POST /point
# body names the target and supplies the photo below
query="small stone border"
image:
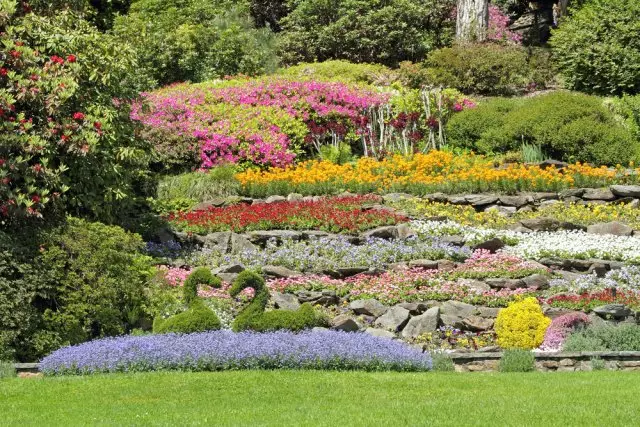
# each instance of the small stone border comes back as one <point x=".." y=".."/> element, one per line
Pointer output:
<point x="488" y="362"/>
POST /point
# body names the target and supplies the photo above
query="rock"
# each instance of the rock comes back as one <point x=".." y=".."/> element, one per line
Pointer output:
<point x="553" y="312"/>
<point x="547" y="203"/>
<point x="569" y="275"/>
<point x="279" y="272"/>
<point x="481" y="199"/>
<point x="262" y="237"/>
<point x="228" y="277"/>
<point x="616" y="228"/>
<point x="315" y="234"/>
<point x="457" y="200"/>
<point x="346" y="323"/>
<point x="217" y="241"/>
<point x="599" y="269"/>
<point x="488" y="312"/>
<point x="501" y="283"/>
<point x="477" y="323"/>
<point x="387" y="232"/>
<point x="274" y="199"/>
<point x="474" y="284"/>
<point x="415" y="308"/>
<point x="370" y="307"/>
<point x="231" y="268"/>
<point x="446" y="265"/>
<point x="379" y="333"/>
<point x="293" y="197"/>
<point x="213" y="203"/>
<point x="519" y="228"/>
<point x="572" y="192"/>
<point x="404" y="231"/>
<point x="394" y="319"/>
<point x="516" y="201"/>
<point x="351" y="271"/>
<point x="626" y="190"/>
<point x="541" y="224"/>
<point x="240" y="244"/>
<point x="398" y="266"/>
<point x="457" y="309"/>
<point x="635" y="204"/>
<point x="453" y="240"/>
<point x="541" y="197"/>
<point x="502" y="210"/>
<point x="550" y="163"/>
<point x="426" y="322"/>
<point x="571" y="199"/>
<point x="324" y="298"/>
<point x="285" y="301"/>
<point x="396" y="197"/>
<point x="489" y="349"/>
<point x="565" y="225"/>
<point x="436" y="197"/>
<point x="616" y="311"/>
<point x="492" y="245"/>
<point x="166" y="235"/>
<point x="598" y="194"/>
<point x="538" y="281"/>
<point x="426" y="264"/>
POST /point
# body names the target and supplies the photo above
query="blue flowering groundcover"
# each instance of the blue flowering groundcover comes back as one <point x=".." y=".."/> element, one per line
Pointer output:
<point x="224" y="350"/>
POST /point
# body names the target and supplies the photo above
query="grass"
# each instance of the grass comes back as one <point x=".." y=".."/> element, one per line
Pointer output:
<point x="324" y="398"/>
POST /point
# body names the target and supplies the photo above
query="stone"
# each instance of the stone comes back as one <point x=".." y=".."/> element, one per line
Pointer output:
<point x="569" y="275"/>
<point x="446" y="265"/>
<point x="538" y="281"/>
<point x="572" y="192"/>
<point x="477" y="323"/>
<point x="616" y="311"/>
<point x="492" y="245"/>
<point x="457" y="200"/>
<point x="488" y="312"/>
<point x="217" y="241"/>
<point x="285" y="301"/>
<point x="475" y="285"/>
<point x="263" y="236"/>
<point x="351" y="271"/>
<point x="599" y="269"/>
<point x="274" y="199"/>
<point x="553" y="312"/>
<point x="550" y="163"/>
<point x="598" y="194"/>
<point x="626" y="190"/>
<point x="324" y="298"/>
<point x="394" y="319"/>
<point x="547" y="203"/>
<point x="565" y="225"/>
<point x="540" y="197"/>
<point x="240" y="244"/>
<point x="369" y="307"/>
<point x="415" y="308"/>
<point x="426" y="264"/>
<point x="481" y="199"/>
<point x="457" y="309"/>
<point x="404" y="231"/>
<point x="386" y="232"/>
<point x="453" y="240"/>
<point x="345" y="323"/>
<point x="541" y="224"/>
<point x="380" y="333"/>
<point x="426" y="322"/>
<point x="616" y="228"/>
<point x="279" y="272"/>
<point x="502" y="210"/>
<point x="314" y="234"/>
<point x="501" y="283"/>
<point x="213" y="203"/>
<point x="516" y="201"/>
<point x="231" y="268"/>
<point x="294" y="196"/>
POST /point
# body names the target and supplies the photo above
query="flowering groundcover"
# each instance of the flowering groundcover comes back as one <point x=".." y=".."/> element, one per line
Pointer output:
<point x="223" y="350"/>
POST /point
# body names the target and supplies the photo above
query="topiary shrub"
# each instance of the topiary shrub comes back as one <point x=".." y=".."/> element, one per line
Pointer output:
<point x="521" y="325"/>
<point x="198" y="317"/>
<point x="254" y="317"/>
<point x="489" y="69"/>
<point x="565" y="125"/>
<point x="597" y="47"/>
<point x="517" y="360"/>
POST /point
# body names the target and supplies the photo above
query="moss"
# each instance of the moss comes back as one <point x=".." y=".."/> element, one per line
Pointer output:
<point x="198" y="318"/>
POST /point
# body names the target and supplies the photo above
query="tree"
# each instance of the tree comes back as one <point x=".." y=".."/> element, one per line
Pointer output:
<point x="472" y="20"/>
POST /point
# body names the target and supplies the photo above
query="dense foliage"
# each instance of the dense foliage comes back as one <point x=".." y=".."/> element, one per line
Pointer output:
<point x="604" y="337"/>
<point x="64" y="105"/>
<point x="196" y="40"/>
<point x="597" y="47"/>
<point x="380" y="31"/>
<point x="521" y="325"/>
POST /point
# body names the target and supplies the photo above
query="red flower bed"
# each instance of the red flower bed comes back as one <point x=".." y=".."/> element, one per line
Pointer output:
<point x="336" y="215"/>
<point x="588" y="301"/>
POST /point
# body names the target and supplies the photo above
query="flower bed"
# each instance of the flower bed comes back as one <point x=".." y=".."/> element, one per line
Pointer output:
<point x="436" y="171"/>
<point x="336" y="215"/>
<point x="222" y="350"/>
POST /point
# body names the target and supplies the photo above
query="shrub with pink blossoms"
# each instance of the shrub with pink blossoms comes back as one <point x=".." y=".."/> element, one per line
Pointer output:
<point x="560" y="329"/>
<point x="499" y="27"/>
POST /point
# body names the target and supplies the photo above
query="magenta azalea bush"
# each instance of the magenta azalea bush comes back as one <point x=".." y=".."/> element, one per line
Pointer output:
<point x="560" y="329"/>
<point x="266" y="122"/>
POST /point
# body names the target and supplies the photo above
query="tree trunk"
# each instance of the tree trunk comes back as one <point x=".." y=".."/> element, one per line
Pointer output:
<point x="472" y="20"/>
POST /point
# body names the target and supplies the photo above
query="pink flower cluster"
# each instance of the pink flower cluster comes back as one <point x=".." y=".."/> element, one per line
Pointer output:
<point x="499" y="27"/>
<point x="484" y="261"/>
<point x="560" y="329"/>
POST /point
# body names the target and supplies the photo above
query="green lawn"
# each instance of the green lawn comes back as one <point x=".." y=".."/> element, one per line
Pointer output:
<point x="324" y="398"/>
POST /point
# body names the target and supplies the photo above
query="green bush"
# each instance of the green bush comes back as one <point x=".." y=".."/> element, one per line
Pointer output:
<point x="254" y="317"/>
<point x="567" y="126"/>
<point x="198" y="318"/>
<point x="7" y="370"/>
<point x="201" y="186"/>
<point x="597" y="364"/>
<point x="517" y="360"/>
<point x="196" y="40"/>
<point x="628" y="108"/>
<point x="373" y="31"/>
<point x="489" y="69"/>
<point x="606" y="337"/>
<point x="597" y="47"/>
<point x="200" y="276"/>
<point x="343" y="71"/>
<point x="442" y="362"/>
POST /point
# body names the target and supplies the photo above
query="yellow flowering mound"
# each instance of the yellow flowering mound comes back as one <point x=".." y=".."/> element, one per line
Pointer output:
<point x="436" y="170"/>
<point x="521" y="325"/>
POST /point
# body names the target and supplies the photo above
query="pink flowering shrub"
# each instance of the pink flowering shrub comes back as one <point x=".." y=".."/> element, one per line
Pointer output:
<point x="482" y="264"/>
<point x="499" y="27"/>
<point x="560" y="329"/>
<point x="265" y="122"/>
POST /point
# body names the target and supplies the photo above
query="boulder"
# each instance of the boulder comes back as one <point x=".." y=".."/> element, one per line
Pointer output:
<point x="240" y="244"/>
<point x="516" y="201"/>
<point x="426" y="322"/>
<point x="492" y="245"/>
<point x="285" y="301"/>
<point x="598" y="194"/>
<point x="550" y="163"/>
<point x="538" y="281"/>
<point x="436" y="197"/>
<point x="488" y="312"/>
<point x="379" y="333"/>
<point x="416" y="308"/>
<point x="346" y="323"/>
<point x="315" y="234"/>
<point x="324" y="298"/>
<point x="616" y="228"/>
<point x="279" y="272"/>
<point x="457" y="309"/>
<point x="426" y="264"/>
<point x="502" y="283"/>
<point x="481" y="199"/>
<point x="541" y="224"/>
<point x="274" y="199"/>
<point x="351" y="271"/>
<point x="477" y="323"/>
<point x="457" y="200"/>
<point x="475" y="285"/>
<point x="216" y="241"/>
<point x="404" y="231"/>
<point x="626" y="190"/>
<point x="502" y="210"/>
<point x="369" y="307"/>
<point x="615" y="311"/>
<point x="572" y="192"/>
<point x="599" y="269"/>
<point x="263" y="236"/>
<point x="231" y="268"/>
<point x="213" y="203"/>
<point x="394" y="319"/>
<point x="547" y="203"/>
<point x="541" y="197"/>
<point x="385" y="232"/>
<point x="294" y="197"/>
<point x="446" y="265"/>
<point x="453" y="240"/>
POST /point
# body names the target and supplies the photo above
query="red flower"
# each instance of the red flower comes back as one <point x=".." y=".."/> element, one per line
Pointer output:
<point x="15" y="54"/>
<point x="3" y="71"/>
<point x="2" y="162"/>
<point x="71" y="58"/>
<point x="64" y="138"/>
<point x="56" y="59"/>
<point x="78" y="116"/>
<point x="35" y="198"/>
<point x="37" y="168"/>
<point x="97" y="125"/>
